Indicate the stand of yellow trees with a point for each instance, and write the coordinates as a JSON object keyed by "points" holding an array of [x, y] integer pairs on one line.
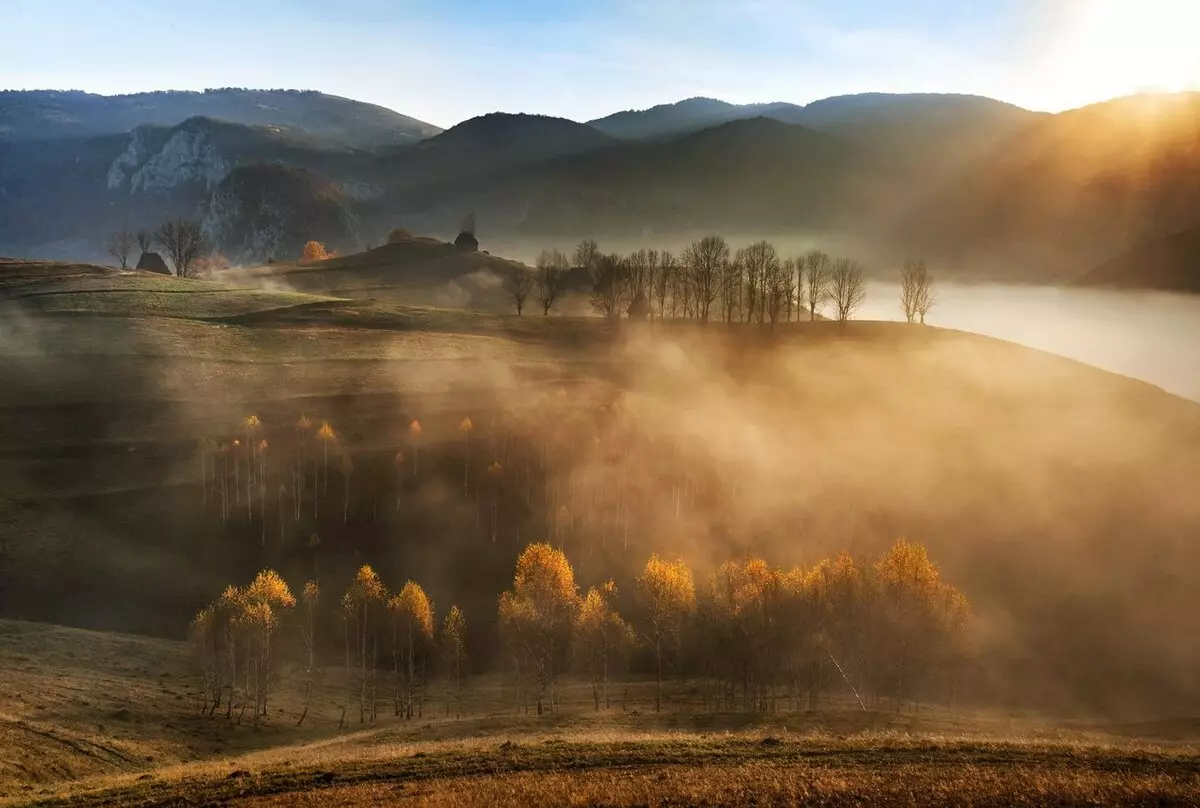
{"points": [[758, 637]]}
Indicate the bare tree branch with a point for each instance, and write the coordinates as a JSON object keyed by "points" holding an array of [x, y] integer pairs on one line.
{"points": [[120, 245]]}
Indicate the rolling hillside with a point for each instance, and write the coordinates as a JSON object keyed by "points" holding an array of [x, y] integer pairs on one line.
{"points": [[1170, 264], [748, 173], [1010, 465]]}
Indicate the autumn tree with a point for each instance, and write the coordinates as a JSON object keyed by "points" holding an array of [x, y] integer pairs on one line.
{"points": [[325, 435], [537, 615], [745, 610], [668, 596], [361, 605], [847, 288], [602, 640], [518, 284], [182, 242], [816, 267], [411, 615], [120, 245], [454, 654], [551, 271], [917, 612], [314, 251], [264, 602]]}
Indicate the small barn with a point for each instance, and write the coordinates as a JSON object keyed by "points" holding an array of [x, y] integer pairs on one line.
{"points": [[153, 262]]}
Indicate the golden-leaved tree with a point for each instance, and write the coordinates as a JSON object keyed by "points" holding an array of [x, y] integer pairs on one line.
{"points": [[602, 640], [536, 618], [919, 616], [264, 603], [411, 614], [314, 251], [361, 605], [454, 654], [668, 597]]}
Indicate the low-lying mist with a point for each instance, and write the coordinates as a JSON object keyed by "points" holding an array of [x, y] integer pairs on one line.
{"points": [[1059, 499]]}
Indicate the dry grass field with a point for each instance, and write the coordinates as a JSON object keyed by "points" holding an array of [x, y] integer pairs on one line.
{"points": [[105, 719]]}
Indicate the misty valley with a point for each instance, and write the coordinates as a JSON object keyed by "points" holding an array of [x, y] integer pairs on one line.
{"points": [[707, 454]]}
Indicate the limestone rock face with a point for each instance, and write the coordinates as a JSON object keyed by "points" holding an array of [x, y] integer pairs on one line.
{"points": [[187, 157]]}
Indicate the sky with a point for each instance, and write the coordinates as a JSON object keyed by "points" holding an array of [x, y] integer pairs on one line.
{"points": [[444, 62]]}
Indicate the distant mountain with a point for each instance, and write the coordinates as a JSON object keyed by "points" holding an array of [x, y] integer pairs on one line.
{"points": [[486, 144], [670, 120], [1168, 264], [931, 131], [746, 173], [922, 129], [39, 114], [1061, 196]]}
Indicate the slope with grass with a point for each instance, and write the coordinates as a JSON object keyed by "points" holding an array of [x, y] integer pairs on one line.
{"points": [[1024, 474]]}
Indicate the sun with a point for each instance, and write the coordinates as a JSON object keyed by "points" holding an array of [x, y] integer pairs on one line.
{"points": [[1111, 48]]}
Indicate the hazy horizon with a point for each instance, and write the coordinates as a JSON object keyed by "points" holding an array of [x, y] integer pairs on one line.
{"points": [[581, 61]]}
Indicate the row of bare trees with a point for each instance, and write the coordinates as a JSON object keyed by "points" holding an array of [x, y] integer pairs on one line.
{"points": [[707, 281], [180, 239], [759, 637]]}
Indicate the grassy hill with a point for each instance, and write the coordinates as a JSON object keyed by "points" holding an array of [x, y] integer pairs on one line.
{"points": [[1010, 465]]}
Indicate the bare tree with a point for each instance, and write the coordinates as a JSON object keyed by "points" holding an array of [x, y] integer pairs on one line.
{"points": [[182, 242], [789, 288], [468, 224], [665, 281], [731, 286], [909, 280], [551, 269], [144, 240], [608, 285], [777, 289], [847, 288], [120, 245], [762, 266], [815, 283], [518, 284], [917, 291], [637, 275], [705, 260], [926, 294], [586, 254]]}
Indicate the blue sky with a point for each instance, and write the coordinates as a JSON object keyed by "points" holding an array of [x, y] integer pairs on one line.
{"points": [[447, 61]]}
